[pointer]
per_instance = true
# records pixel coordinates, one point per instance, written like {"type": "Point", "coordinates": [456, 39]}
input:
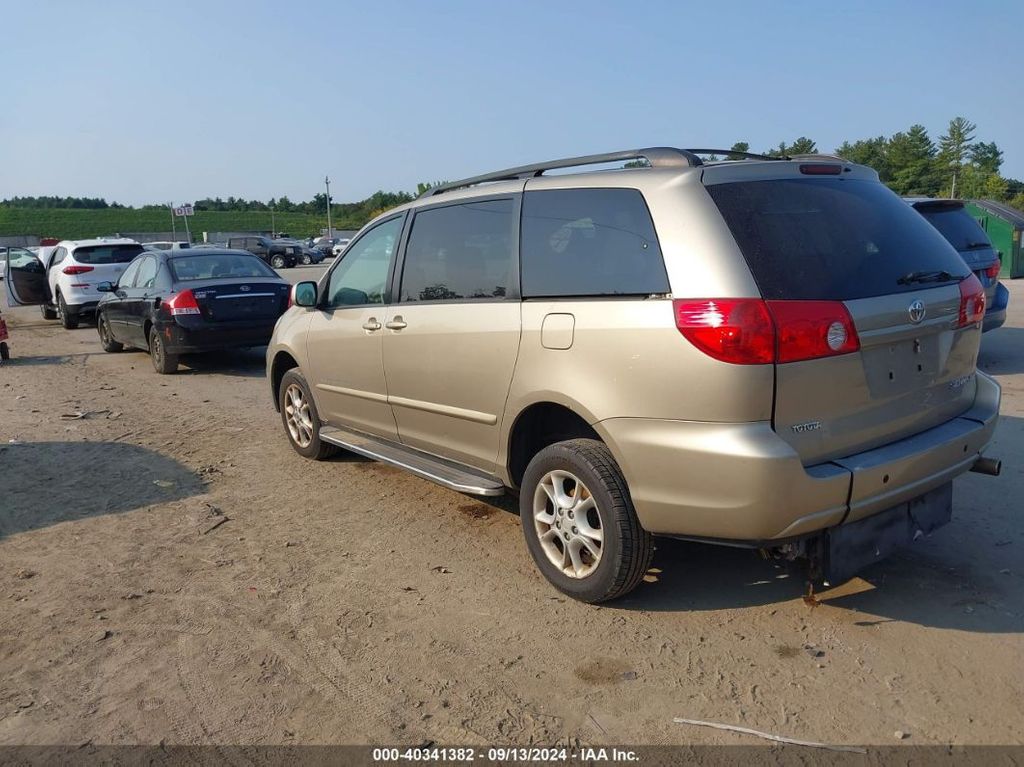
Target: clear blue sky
{"type": "Point", "coordinates": [143, 101]}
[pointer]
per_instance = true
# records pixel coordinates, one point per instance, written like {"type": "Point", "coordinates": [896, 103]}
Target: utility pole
{"type": "Point", "coordinates": [174, 229]}
{"type": "Point", "coordinates": [330, 231]}
{"type": "Point", "coordinates": [273, 224]}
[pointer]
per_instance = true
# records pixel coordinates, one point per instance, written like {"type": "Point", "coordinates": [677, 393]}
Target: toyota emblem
{"type": "Point", "coordinates": [916, 310]}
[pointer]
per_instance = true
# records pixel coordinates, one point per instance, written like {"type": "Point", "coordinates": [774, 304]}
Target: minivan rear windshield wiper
{"type": "Point", "coordinates": [913, 277]}
{"type": "Point", "coordinates": [977, 245]}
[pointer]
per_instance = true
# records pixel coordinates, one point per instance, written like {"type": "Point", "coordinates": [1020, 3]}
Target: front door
{"type": "Point", "coordinates": [451, 340]}
{"type": "Point", "coordinates": [115, 307]}
{"type": "Point", "coordinates": [24, 278]}
{"type": "Point", "coordinates": [343, 342]}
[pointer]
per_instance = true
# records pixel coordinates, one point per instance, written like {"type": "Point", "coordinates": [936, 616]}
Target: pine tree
{"type": "Point", "coordinates": [955, 147]}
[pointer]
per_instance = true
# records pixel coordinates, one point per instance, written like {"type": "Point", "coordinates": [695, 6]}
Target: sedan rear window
{"type": "Point", "coordinates": [833, 239]}
{"type": "Point", "coordinates": [185, 268]}
{"type": "Point", "coordinates": [106, 254]}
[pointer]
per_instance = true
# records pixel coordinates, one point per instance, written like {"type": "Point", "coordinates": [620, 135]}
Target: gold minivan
{"type": "Point", "coordinates": [769, 352]}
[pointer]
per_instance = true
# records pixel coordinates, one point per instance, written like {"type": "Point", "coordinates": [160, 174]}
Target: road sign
{"type": "Point", "coordinates": [184, 210]}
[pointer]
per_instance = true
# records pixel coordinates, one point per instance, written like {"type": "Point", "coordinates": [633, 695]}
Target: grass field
{"type": "Point", "coordinates": [78, 224]}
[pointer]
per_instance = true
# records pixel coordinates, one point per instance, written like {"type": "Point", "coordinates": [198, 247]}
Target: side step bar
{"type": "Point", "coordinates": [447, 473]}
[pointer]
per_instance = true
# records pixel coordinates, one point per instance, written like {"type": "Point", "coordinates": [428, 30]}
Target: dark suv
{"type": "Point", "coordinates": [280, 255]}
{"type": "Point", "coordinates": [966, 235]}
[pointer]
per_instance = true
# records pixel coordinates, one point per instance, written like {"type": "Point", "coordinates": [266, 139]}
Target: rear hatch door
{"type": "Point", "coordinates": [846, 238]}
{"type": "Point", "coordinates": [965, 234]}
{"type": "Point", "coordinates": [104, 263]}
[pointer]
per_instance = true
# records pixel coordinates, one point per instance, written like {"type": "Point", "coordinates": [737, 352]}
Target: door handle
{"type": "Point", "coordinates": [371, 324]}
{"type": "Point", "coordinates": [396, 324]}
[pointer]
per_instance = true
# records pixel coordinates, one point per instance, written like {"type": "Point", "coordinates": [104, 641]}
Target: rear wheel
{"type": "Point", "coordinates": [68, 320]}
{"type": "Point", "coordinates": [277, 262]}
{"type": "Point", "coordinates": [580, 524]}
{"type": "Point", "coordinates": [301, 421]}
{"type": "Point", "coordinates": [48, 312]}
{"type": "Point", "coordinates": [5, 351]}
{"type": "Point", "coordinates": [163, 362]}
{"type": "Point", "coordinates": [106, 337]}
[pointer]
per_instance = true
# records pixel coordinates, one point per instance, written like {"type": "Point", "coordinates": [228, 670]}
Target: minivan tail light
{"type": "Point", "coordinates": [807, 330]}
{"type": "Point", "coordinates": [972, 302]}
{"type": "Point", "coordinates": [736, 330]}
{"type": "Point", "coordinates": [751, 331]}
{"type": "Point", "coordinates": [77, 269]}
{"type": "Point", "coordinates": [993, 271]}
{"type": "Point", "coordinates": [821, 169]}
{"type": "Point", "coordinates": [182, 303]}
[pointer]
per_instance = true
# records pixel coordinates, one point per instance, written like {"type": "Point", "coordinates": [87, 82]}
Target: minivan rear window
{"type": "Point", "coordinates": [107, 254]}
{"type": "Point", "coordinates": [957, 226]}
{"type": "Point", "coordinates": [833, 239]}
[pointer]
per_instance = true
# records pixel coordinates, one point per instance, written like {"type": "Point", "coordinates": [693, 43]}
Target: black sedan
{"type": "Point", "coordinates": [177, 302]}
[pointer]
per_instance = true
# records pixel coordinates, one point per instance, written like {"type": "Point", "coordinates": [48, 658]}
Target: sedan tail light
{"type": "Point", "coordinates": [182, 303]}
{"type": "Point", "coordinates": [77, 269]}
{"type": "Point", "coordinates": [972, 302]}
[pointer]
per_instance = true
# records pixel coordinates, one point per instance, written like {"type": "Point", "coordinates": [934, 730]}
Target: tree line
{"type": "Point", "coordinates": [909, 162]}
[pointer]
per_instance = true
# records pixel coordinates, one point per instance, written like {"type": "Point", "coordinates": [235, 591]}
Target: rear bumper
{"type": "Point", "coordinates": [743, 483]}
{"type": "Point", "coordinates": [210, 337]}
{"type": "Point", "coordinates": [78, 309]}
{"type": "Point", "coordinates": [995, 315]}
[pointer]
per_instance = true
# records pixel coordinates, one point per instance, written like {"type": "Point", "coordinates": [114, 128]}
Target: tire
{"type": "Point", "coordinates": [306, 259]}
{"type": "Point", "coordinates": [163, 362]}
{"type": "Point", "coordinates": [106, 336]}
{"type": "Point", "coordinates": [69, 322]}
{"type": "Point", "coordinates": [305, 440]}
{"type": "Point", "coordinates": [277, 262]}
{"type": "Point", "coordinates": [625, 548]}
{"type": "Point", "coordinates": [48, 312]}
{"type": "Point", "coordinates": [5, 351]}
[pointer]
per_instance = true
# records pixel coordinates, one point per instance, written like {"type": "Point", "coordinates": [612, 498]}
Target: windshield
{"type": "Point", "coordinates": [833, 239]}
{"type": "Point", "coordinates": [107, 254]}
{"type": "Point", "coordinates": [957, 226]}
{"type": "Point", "coordinates": [212, 267]}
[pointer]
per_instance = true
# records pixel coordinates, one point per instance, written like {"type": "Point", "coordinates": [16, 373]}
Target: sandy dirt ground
{"type": "Point", "coordinates": [171, 571]}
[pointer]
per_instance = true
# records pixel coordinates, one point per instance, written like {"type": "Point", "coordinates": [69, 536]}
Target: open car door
{"type": "Point", "coordinates": [25, 280]}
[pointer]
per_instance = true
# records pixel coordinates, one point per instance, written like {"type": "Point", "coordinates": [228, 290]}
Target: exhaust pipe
{"type": "Point", "coordinates": [990, 466]}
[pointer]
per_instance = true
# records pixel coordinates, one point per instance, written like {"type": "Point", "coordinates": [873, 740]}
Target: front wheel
{"type": "Point", "coordinates": [306, 259]}
{"type": "Point", "coordinates": [163, 362]}
{"type": "Point", "coordinates": [5, 351]}
{"type": "Point", "coordinates": [580, 524]}
{"type": "Point", "coordinates": [106, 337]}
{"type": "Point", "coordinates": [301, 421]}
{"type": "Point", "coordinates": [277, 262]}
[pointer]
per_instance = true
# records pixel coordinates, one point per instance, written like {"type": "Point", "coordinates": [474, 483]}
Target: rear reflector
{"type": "Point", "coordinates": [972, 302]}
{"type": "Point", "coordinates": [77, 269]}
{"type": "Point", "coordinates": [821, 169]}
{"type": "Point", "coordinates": [750, 331]}
{"type": "Point", "coordinates": [183, 303]}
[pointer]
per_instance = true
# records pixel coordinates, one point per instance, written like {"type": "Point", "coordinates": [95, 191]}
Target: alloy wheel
{"type": "Point", "coordinates": [298, 416]}
{"type": "Point", "coordinates": [568, 523]}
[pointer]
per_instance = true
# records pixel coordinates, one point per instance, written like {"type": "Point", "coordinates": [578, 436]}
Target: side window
{"type": "Point", "coordinates": [58, 256]}
{"type": "Point", "coordinates": [361, 276]}
{"type": "Point", "coordinates": [589, 242]}
{"type": "Point", "coordinates": [460, 252]}
{"type": "Point", "coordinates": [127, 278]}
{"type": "Point", "coordinates": [147, 273]}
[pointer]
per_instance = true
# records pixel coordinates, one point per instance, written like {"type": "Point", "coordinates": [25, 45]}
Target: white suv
{"type": "Point", "coordinates": [74, 270]}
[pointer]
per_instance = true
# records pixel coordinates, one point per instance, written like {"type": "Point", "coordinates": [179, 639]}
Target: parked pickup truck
{"type": "Point", "coordinates": [279, 255]}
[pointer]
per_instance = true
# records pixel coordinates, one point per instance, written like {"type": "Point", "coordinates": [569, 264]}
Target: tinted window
{"type": "Point", "coordinates": [127, 279]}
{"type": "Point", "coordinates": [834, 239]}
{"type": "Point", "coordinates": [107, 254]}
{"type": "Point", "coordinates": [590, 242]}
{"type": "Point", "coordinates": [957, 226]}
{"type": "Point", "coordinates": [460, 252]}
{"type": "Point", "coordinates": [147, 273]}
{"type": "Point", "coordinates": [214, 266]}
{"type": "Point", "coordinates": [361, 276]}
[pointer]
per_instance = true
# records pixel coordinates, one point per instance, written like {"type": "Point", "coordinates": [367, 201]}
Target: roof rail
{"type": "Point", "coordinates": [734, 153]}
{"type": "Point", "coordinates": [658, 157]}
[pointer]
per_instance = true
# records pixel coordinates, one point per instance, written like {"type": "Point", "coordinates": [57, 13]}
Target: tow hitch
{"type": "Point", "coordinates": [989, 466]}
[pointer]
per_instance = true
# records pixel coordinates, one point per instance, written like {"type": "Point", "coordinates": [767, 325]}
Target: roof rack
{"type": "Point", "coordinates": [734, 153]}
{"type": "Point", "coordinates": [658, 157]}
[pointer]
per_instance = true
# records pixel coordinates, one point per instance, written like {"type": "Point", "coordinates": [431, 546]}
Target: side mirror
{"type": "Point", "coordinates": [304, 294]}
{"type": "Point", "coordinates": [106, 287]}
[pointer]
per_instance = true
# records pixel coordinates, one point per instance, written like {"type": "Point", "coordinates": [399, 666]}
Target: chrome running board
{"type": "Point", "coordinates": [447, 473]}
